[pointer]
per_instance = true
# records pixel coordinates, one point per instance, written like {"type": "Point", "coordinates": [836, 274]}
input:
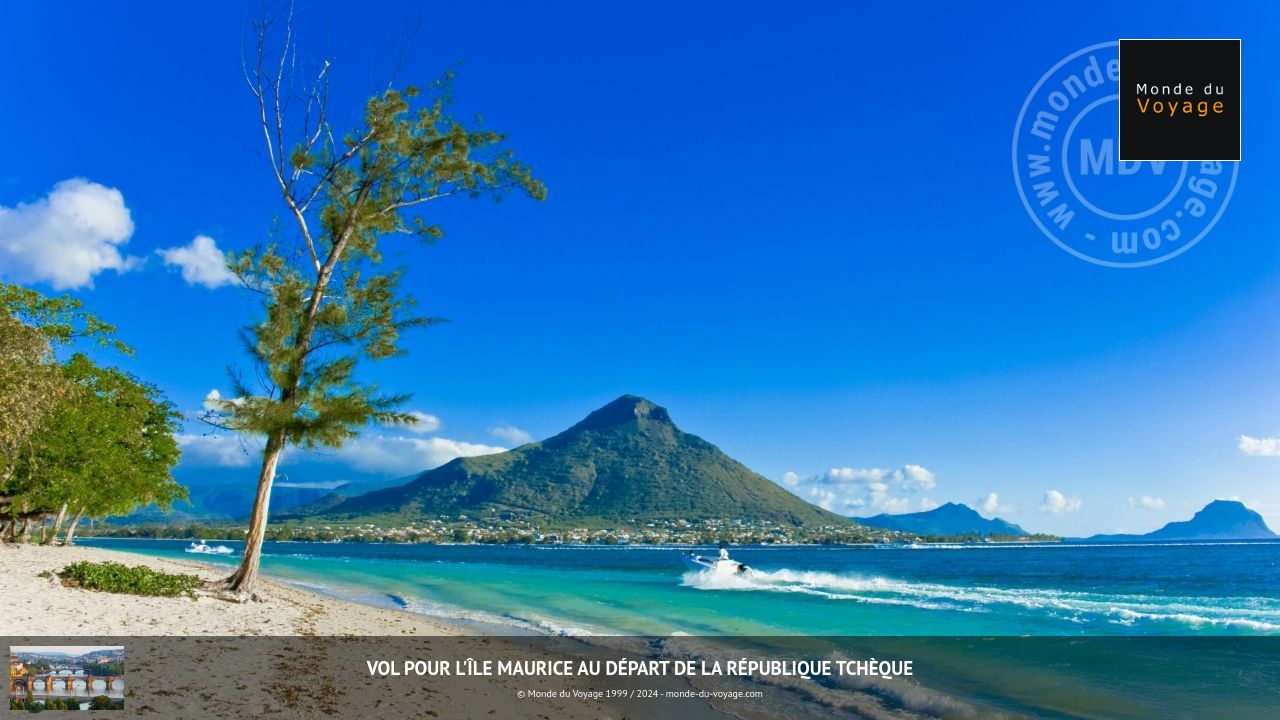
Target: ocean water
{"type": "Point", "coordinates": [1187, 631]}
{"type": "Point", "coordinates": [1222, 588]}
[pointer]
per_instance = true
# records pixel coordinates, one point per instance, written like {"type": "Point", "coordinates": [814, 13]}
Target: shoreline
{"type": "Point", "coordinates": [41, 606]}
{"type": "Point", "coordinates": [660, 546]}
{"type": "Point", "coordinates": [482, 604]}
{"type": "Point", "coordinates": [328, 638]}
{"type": "Point", "coordinates": [1074, 543]}
{"type": "Point", "coordinates": [308, 644]}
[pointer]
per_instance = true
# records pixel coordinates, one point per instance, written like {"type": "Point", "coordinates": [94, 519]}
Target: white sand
{"type": "Point", "coordinates": [304, 672]}
{"type": "Point", "coordinates": [32, 605]}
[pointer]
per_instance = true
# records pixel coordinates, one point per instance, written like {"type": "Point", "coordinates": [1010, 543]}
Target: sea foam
{"type": "Point", "coordinates": [1251, 614]}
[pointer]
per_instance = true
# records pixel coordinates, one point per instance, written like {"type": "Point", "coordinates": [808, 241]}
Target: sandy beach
{"type": "Point", "coordinates": [301, 654]}
{"type": "Point", "coordinates": [34, 605]}
{"type": "Point", "coordinates": [188, 657]}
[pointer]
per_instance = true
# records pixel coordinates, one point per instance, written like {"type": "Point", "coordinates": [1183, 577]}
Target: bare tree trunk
{"type": "Point", "coordinates": [243, 581]}
{"type": "Point", "coordinates": [71, 529]}
{"type": "Point", "coordinates": [26, 530]}
{"type": "Point", "coordinates": [57, 526]}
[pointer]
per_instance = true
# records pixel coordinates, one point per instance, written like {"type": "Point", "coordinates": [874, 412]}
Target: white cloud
{"type": "Point", "coordinates": [391, 455]}
{"type": "Point", "coordinates": [912, 476]}
{"type": "Point", "coordinates": [1058, 504]}
{"type": "Point", "coordinates": [323, 485]}
{"type": "Point", "coordinates": [511, 434]}
{"type": "Point", "coordinates": [201, 262]}
{"type": "Point", "coordinates": [66, 238]}
{"type": "Point", "coordinates": [222, 450]}
{"type": "Point", "coordinates": [214, 402]}
{"type": "Point", "coordinates": [396, 455]}
{"type": "Point", "coordinates": [991, 505]}
{"type": "Point", "coordinates": [865, 491]}
{"type": "Point", "coordinates": [1260, 447]}
{"type": "Point", "coordinates": [426, 423]}
{"type": "Point", "coordinates": [919, 477]}
{"type": "Point", "coordinates": [1147, 502]}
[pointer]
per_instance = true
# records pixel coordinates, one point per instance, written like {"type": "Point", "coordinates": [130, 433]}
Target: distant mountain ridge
{"type": "Point", "coordinates": [949, 519]}
{"type": "Point", "coordinates": [1219, 520]}
{"type": "Point", "coordinates": [227, 500]}
{"type": "Point", "coordinates": [625, 462]}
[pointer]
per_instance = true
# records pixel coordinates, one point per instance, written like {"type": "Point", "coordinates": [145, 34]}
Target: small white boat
{"type": "Point", "coordinates": [203, 548]}
{"type": "Point", "coordinates": [719, 565]}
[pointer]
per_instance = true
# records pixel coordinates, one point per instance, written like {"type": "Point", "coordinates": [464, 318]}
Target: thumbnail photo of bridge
{"type": "Point", "coordinates": [66, 677]}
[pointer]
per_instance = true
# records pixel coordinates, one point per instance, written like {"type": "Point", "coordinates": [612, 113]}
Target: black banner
{"type": "Point", "coordinates": [1119, 678]}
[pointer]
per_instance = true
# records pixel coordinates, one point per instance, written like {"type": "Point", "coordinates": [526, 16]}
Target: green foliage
{"type": "Point", "coordinates": [102, 702]}
{"type": "Point", "coordinates": [106, 447]}
{"type": "Point", "coordinates": [30, 387]}
{"type": "Point", "coordinates": [189, 531]}
{"type": "Point", "coordinates": [61, 320]}
{"type": "Point", "coordinates": [103, 667]}
{"type": "Point", "coordinates": [328, 298]}
{"type": "Point", "coordinates": [136, 580]}
{"type": "Point", "coordinates": [331, 301]}
{"type": "Point", "coordinates": [75, 438]}
{"type": "Point", "coordinates": [626, 462]}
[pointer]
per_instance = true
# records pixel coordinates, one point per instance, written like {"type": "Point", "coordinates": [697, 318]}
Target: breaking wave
{"type": "Point", "coordinates": [1136, 612]}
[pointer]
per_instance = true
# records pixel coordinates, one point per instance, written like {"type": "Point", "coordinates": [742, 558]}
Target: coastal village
{"type": "Point", "coordinates": [499, 530]}
{"type": "Point", "coordinates": [463, 529]}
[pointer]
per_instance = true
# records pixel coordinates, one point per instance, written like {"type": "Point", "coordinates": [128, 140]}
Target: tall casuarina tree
{"type": "Point", "coordinates": [328, 299]}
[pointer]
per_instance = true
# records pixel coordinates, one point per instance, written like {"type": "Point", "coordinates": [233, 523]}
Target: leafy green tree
{"type": "Point", "coordinates": [329, 299]}
{"type": "Point", "coordinates": [30, 388]}
{"type": "Point", "coordinates": [74, 436]}
{"type": "Point", "coordinates": [106, 449]}
{"type": "Point", "coordinates": [62, 320]}
{"type": "Point", "coordinates": [31, 326]}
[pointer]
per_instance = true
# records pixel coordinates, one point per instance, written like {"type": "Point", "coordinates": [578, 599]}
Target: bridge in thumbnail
{"type": "Point", "coordinates": [64, 675]}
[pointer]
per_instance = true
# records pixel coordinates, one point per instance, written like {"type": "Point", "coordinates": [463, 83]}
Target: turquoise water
{"type": "Point", "coordinates": [1041, 590]}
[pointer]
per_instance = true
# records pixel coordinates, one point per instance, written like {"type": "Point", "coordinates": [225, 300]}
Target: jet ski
{"type": "Point", "coordinates": [722, 564]}
{"type": "Point", "coordinates": [203, 548]}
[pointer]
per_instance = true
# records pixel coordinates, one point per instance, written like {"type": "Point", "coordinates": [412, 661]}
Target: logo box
{"type": "Point", "coordinates": [1179, 100]}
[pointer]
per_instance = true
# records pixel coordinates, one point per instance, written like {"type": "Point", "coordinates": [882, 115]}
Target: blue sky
{"type": "Point", "coordinates": [794, 227]}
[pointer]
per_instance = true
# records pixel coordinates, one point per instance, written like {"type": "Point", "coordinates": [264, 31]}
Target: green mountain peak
{"type": "Point", "coordinates": [626, 408]}
{"type": "Point", "coordinates": [626, 462]}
